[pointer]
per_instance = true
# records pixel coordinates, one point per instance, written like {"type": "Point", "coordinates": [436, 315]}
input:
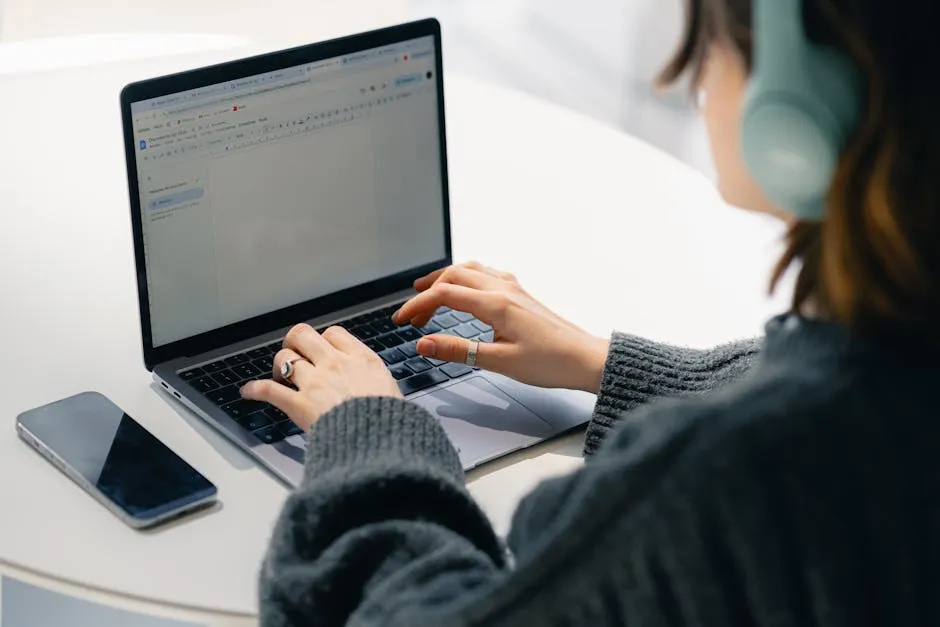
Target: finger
{"type": "Point", "coordinates": [427, 281]}
{"type": "Point", "coordinates": [486, 306]}
{"type": "Point", "coordinates": [303, 371]}
{"type": "Point", "coordinates": [505, 276]}
{"type": "Point", "coordinates": [304, 340]}
{"type": "Point", "coordinates": [287, 400]}
{"type": "Point", "coordinates": [470, 277]}
{"type": "Point", "coordinates": [455, 349]}
{"type": "Point", "coordinates": [344, 341]}
{"type": "Point", "coordinates": [458, 275]}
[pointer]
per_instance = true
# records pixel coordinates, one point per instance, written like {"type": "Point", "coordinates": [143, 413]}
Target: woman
{"type": "Point", "coordinates": [797, 486]}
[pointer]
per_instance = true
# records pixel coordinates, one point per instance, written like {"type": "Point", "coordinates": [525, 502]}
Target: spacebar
{"type": "Point", "coordinates": [421, 381]}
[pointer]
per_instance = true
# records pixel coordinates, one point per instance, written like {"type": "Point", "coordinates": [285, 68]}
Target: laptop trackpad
{"type": "Point", "coordinates": [482, 421]}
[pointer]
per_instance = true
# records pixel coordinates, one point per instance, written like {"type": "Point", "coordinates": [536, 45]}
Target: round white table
{"type": "Point", "coordinates": [606, 229]}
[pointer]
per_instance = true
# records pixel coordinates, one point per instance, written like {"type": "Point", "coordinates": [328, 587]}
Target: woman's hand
{"type": "Point", "coordinates": [531, 344]}
{"type": "Point", "coordinates": [328, 369]}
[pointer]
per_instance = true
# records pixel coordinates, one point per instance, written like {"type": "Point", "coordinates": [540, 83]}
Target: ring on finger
{"type": "Point", "coordinates": [473, 349]}
{"type": "Point", "coordinates": [287, 368]}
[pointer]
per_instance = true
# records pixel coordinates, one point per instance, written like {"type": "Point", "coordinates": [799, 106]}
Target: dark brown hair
{"type": "Point", "coordinates": [872, 263]}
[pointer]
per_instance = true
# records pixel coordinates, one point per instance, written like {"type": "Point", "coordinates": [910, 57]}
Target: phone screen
{"type": "Point", "coordinates": [130, 466]}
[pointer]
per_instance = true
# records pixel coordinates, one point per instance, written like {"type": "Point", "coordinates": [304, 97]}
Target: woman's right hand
{"type": "Point", "coordinates": [531, 344]}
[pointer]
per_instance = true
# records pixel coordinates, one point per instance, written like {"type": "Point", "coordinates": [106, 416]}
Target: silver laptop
{"type": "Point", "coordinates": [307, 185]}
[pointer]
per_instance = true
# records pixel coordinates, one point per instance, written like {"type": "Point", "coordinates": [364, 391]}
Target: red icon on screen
{"type": "Point", "coordinates": [406, 57]}
{"type": "Point", "coordinates": [235, 108]}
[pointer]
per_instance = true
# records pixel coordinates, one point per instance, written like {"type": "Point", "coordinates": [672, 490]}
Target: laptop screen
{"type": "Point", "coordinates": [268, 191]}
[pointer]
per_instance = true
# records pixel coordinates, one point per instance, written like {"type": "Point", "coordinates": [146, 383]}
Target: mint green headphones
{"type": "Point", "coordinates": [803, 103]}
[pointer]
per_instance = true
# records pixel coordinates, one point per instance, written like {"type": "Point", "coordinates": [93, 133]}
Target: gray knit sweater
{"type": "Point", "coordinates": [800, 486]}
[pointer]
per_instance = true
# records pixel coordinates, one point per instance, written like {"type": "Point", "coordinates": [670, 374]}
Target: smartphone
{"type": "Point", "coordinates": [118, 462]}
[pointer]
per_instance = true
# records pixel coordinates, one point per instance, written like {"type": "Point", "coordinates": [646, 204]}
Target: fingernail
{"type": "Point", "coordinates": [396, 315]}
{"type": "Point", "coordinates": [427, 347]}
{"type": "Point", "coordinates": [245, 390]}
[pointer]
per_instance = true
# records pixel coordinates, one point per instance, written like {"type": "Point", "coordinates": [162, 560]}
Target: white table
{"type": "Point", "coordinates": [608, 230]}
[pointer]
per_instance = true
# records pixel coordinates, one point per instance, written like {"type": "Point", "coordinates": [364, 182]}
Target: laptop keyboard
{"type": "Point", "coordinates": [220, 381]}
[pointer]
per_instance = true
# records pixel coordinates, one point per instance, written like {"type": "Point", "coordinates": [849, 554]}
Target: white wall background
{"type": "Point", "coordinates": [595, 56]}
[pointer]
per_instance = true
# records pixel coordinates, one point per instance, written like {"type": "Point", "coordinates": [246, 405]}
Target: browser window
{"type": "Point", "coordinates": [269, 191]}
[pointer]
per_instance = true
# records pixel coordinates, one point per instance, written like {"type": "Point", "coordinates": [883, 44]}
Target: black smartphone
{"type": "Point", "coordinates": [124, 466]}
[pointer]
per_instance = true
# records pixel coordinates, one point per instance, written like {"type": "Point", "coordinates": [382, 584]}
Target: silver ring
{"type": "Point", "coordinates": [287, 368]}
{"type": "Point", "coordinates": [472, 350]}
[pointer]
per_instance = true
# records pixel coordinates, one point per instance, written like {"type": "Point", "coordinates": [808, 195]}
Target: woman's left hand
{"type": "Point", "coordinates": [328, 369]}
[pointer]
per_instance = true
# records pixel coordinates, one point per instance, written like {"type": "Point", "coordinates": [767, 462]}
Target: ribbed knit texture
{"type": "Point", "coordinates": [807, 492]}
{"type": "Point", "coordinates": [639, 371]}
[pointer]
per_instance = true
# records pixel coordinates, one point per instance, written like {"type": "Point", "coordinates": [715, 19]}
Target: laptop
{"type": "Point", "coordinates": [308, 185]}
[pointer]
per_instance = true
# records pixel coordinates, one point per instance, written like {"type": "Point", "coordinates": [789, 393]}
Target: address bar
{"type": "Point", "coordinates": [357, 69]}
{"type": "Point", "coordinates": [238, 96]}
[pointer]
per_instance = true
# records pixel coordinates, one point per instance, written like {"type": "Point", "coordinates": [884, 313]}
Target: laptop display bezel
{"type": "Point", "coordinates": [239, 69]}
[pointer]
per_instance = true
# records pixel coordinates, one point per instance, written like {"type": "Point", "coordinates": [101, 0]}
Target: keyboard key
{"type": "Point", "coordinates": [482, 326]}
{"type": "Point", "coordinates": [255, 421]}
{"type": "Point", "coordinates": [462, 316]}
{"type": "Point", "coordinates": [243, 407]}
{"type": "Point", "coordinates": [421, 381]}
{"type": "Point", "coordinates": [224, 395]}
{"type": "Point", "coordinates": [409, 349]}
{"type": "Point", "coordinates": [226, 377]}
{"type": "Point", "coordinates": [384, 325]}
{"type": "Point", "coordinates": [435, 362]}
{"type": "Point", "coordinates": [275, 347]}
{"type": "Point", "coordinates": [391, 340]}
{"type": "Point", "coordinates": [288, 429]}
{"type": "Point", "coordinates": [486, 337]}
{"type": "Point", "coordinates": [467, 330]}
{"type": "Point", "coordinates": [189, 375]}
{"type": "Point", "coordinates": [204, 384]}
{"type": "Point", "coordinates": [446, 321]}
{"type": "Point", "coordinates": [269, 435]}
{"type": "Point", "coordinates": [265, 364]}
{"type": "Point", "coordinates": [392, 356]}
{"type": "Point", "coordinates": [246, 371]}
{"type": "Point", "coordinates": [258, 353]}
{"type": "Point", "coordinates": [375, 345]}
{"type": "Point", "coordinates": [418, 364]}
{"type": "Point", "coordinates": [364, 332]}
{"type": "Point", "coordinates": [455, 370]}
{"type": "Point", "coordinates": [431, 327]}
{"type": "Point", "coordinates": [275, 414]}
{"type": "Point", "coordinates": [266, 375]}
{"type": "Point", "coordinates": [234, 360]}
{"type": "Point", "coordinates": [215, 366]}
{"type": "Point", "coordinates": [443, 310]}
{"type": "Point", "coordinates": [409, 333]}
{"type": "Point", "coordinates": [400, 371]}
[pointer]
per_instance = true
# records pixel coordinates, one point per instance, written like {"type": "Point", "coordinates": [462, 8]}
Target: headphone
{"type": "Point", "coordinates": [803, 103]}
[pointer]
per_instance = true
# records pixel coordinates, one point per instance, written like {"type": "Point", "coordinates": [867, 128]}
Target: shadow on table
{"type": "Point", "coordinates": [229, 452]}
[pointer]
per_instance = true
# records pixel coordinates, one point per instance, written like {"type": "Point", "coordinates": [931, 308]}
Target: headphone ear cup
{"type": "Point", "coordinates": [803, 102]}
{"type": "Point", "coordinates": [792, 149]}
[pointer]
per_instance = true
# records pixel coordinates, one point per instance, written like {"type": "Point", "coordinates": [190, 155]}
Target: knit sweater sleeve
{"type": "Point", "coordinates": [639, 371]}
{"type": "Point", "coordinates": [383, 532]}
